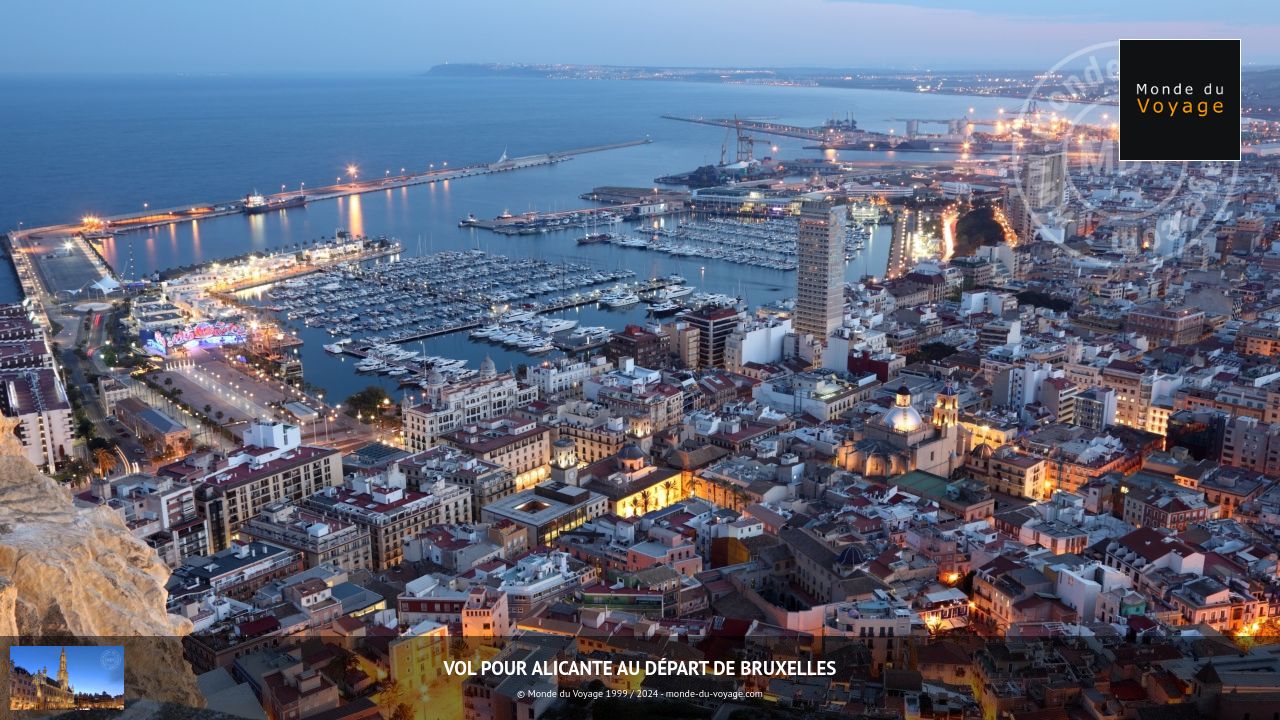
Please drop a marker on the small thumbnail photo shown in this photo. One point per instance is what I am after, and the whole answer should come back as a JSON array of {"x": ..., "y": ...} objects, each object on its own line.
[{"x": 53, "y": 678}]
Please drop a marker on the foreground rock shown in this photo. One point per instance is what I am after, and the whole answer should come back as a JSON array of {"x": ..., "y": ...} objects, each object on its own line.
[{"x": 68, "y": 572}]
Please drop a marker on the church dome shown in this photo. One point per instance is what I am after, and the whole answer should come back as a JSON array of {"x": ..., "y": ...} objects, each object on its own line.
[
  {"x": 851, "y": 555},
  {"x": 435, "y": 377},
  {"x": 903, "y": 419},
  {"x": 487, "y": 368},
  {"x": 631, "y": 451}
]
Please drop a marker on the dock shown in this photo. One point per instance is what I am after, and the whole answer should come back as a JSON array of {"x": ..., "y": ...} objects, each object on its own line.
[
  {"x": 37, "y": 241},
  {"x": 310, "y": 268}
]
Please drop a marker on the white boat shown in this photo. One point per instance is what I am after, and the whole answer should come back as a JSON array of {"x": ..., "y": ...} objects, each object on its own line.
[
  {"x": 334, "y": 348},
  {"x": 620, "y": 300},
  {"x": 664, "y": 307},
  {"x": 555, "y": 325},
  {"x": 671, "y": 292}
]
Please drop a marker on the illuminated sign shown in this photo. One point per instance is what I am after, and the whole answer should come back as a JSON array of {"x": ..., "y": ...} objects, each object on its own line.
[{"x": 203, "y": 334}]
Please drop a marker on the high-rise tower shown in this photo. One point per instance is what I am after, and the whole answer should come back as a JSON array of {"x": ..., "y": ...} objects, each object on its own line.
[
  {"x": 820, "y": 271},
  {"x": 1041, "y": 190}
]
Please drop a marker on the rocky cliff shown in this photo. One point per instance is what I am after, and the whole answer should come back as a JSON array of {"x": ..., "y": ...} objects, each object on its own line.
[{"x": 69, "y": 572}]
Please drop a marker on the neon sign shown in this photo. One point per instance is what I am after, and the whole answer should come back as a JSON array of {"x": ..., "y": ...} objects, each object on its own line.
[{"x": 203, "y": 334}]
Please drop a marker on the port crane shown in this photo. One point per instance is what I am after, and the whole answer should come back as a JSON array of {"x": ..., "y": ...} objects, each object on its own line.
[{"x": 746, "y": 144}]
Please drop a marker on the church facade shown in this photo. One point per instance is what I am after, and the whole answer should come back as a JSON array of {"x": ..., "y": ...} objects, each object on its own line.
[{"x": 900, "y": 440}]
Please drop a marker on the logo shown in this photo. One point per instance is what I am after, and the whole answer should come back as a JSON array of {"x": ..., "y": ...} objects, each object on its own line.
[
  {"x": 1076, "y": 106},
  {"x": 111, "y": 658},
  {"x": 1180, "y": 100}
]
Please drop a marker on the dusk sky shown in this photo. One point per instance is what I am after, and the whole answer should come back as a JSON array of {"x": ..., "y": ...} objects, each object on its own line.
[
  {"x": 86, "y": 668},
  {"x": 380, "y": 36}
]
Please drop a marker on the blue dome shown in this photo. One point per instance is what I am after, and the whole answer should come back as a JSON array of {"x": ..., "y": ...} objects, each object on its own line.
[{"x": 851, "y": 555}]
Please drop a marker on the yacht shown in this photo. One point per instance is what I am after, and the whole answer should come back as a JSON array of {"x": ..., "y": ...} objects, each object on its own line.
[
  {"x": 555, "y": 325},
  {"x": 664, "y": 307},
  {"x": 618, "y": 300},
  {"x": 671, "y": 292}
]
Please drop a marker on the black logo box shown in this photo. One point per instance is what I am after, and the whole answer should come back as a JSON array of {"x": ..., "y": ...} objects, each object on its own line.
[{"x": 1180, "y": 65}]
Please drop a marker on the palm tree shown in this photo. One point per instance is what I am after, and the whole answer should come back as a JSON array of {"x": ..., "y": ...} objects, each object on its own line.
[
  {"x": 105, "y": 460},
  {"x": 670, "y": 487}
]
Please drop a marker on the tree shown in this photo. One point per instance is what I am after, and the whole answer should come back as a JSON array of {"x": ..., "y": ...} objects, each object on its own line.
[
  {"x": 208, "y": 408},
  {"x": 402, "y": 712},
  {"x": 218, "y": 415},
  {"x": 105, "y": 460},
  {"x": 391, "y": 694},
  {"x": 368, "y": 401},
  {"x": 168, "y": 381},
  {"x": 694, "y": 485}
]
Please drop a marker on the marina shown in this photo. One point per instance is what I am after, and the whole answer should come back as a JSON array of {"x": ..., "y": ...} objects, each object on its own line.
[
  {"x": 435, "y": 294},
  {"x": 768, "y": 243},
  {"x": 503, "y": 300}
]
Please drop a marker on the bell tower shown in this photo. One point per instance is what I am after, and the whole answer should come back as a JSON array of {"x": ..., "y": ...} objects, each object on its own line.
[
  {"x": 564, "y": 461},
  {"x": 946, "y": 411},
  {"x": 63, "y": 681}
]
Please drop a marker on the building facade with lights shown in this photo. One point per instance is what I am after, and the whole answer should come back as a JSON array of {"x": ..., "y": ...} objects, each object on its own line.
[
  {"x": 272, "y": 465},
  {"x": 445, "y": 407},
  {"x": 900, "y": 440}
]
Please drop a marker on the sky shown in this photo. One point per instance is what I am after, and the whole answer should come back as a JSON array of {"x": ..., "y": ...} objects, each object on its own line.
[
  {"x": 90, "y": 668},
  {"x": 409, "y": 36}
]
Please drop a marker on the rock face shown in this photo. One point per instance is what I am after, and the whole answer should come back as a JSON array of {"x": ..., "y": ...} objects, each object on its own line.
[{"x": 68, "y": 572}]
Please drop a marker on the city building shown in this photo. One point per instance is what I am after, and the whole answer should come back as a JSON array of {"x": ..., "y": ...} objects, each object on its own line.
[
  {"x": 648, "y": 346},
  {"x": 447, "y": 406},
  {"x": 156, "y": 430},
  {"x": 272, "y": 465},
  {"x": 547, "y": 510},
  {"x": 564, "y": 377},
  {"x": 389, "y": 512},
  {"x": 819, "y": 270},
  {"x": 321, "y": 539},
  {"x": 714, "y": 325},
  {"x": 1160, "y": 324},
  {"x": 520, "y": 445},
  {"x": 36, "y": 398},
  {"x": 487, "y": 481},
  {"x": 158, "y": 510}
]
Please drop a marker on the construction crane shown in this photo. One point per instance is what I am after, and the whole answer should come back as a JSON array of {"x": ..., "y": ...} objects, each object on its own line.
[{"x": 746, "y": 146}]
